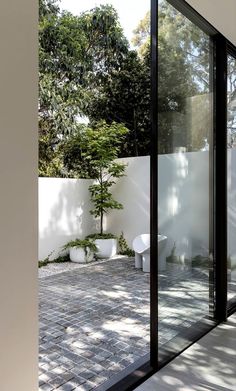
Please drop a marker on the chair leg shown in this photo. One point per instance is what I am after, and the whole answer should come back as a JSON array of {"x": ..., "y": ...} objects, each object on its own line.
[
  {"x": 146, "y": 263},
  {"x": 138, "y": 261}
]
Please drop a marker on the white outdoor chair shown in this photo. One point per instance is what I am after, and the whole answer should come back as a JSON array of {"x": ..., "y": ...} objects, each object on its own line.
[{"x": 141, "y": 247}]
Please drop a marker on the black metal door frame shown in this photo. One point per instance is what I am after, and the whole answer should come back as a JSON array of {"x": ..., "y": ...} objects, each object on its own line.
[{"x": 230, "y": 51}]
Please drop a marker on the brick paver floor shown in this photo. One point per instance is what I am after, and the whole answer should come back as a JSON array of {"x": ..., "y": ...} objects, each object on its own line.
[{"x": 94, "y": 320}]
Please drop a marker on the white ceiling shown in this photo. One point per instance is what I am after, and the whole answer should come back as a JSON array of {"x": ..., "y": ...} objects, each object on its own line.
[{"x": 220, "y": 13}]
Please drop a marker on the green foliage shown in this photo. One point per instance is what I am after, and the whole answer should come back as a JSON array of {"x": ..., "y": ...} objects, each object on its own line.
[
  {"x": 172, "y": 257},
  {"x": 47, "y": 8},
  {"x": 141, "y": 38},
  {"x": 101, "y": 236},
  {"x": 81, "y": 243},
  {"x": 124, "y": 249},
  {"x": 201, "y": 262},
  {"x": 76, "y": 53},
  {"x": 43, "y": 263},
  {"x": 86, "y": 68},
  {"x": 93, "y": 147},
  {"x": 100, "y": 147},
  {"x": 125, "y": 98},
  {"x": 60, "y": 259}
]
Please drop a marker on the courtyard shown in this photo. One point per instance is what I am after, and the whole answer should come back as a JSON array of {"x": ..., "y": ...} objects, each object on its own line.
[{"x": 94, "y": 318}]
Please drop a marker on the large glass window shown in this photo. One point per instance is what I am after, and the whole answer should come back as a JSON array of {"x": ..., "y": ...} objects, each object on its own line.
[
  {"x": 231, "y": 207},
  {"x": 185, "y": 129}
]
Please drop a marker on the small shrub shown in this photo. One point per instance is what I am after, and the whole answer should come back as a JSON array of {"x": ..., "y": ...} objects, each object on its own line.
[
  {"x": 45, "y": 261},
  {"x": 124, "y": 248},
  {"x": 81, "y": 243},
  {"x": 60, "y": 259},
  {"x": 101, "y": 236}
]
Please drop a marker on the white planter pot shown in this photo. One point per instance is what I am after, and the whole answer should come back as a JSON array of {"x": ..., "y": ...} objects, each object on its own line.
[
  {"x": 106, "y": 247},
  {"x": 78, "y": 254}
]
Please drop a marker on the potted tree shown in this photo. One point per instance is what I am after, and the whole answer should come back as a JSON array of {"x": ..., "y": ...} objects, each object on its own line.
[
  {"x": 100, "y": 149},
  {"x": 81, "y": 251}
]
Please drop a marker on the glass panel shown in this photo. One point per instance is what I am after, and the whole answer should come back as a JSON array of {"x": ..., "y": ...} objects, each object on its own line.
[
  {"x": 231, "y": 129},
  {"x": 185, "y": 179},
  {"x": 94, "y": 126}
]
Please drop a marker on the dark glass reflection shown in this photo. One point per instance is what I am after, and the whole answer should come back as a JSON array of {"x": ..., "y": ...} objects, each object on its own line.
[
  {"x": 185, "y": 178},
  {"x": 231, "y": 176}
]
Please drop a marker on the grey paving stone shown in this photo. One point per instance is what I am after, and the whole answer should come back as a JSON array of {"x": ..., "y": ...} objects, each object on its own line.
[
  {"x": 85, "y": 387},
  {"x": 92, "y": 326},
  {"x": 57, "y": 381},
  {"x": 46, "y": 387},
  {"x": 87, "y": 374},
  {"x": 66, "y": 387}
]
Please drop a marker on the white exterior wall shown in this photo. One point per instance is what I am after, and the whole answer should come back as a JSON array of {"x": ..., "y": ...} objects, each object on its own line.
[
  {"x": 63, "y": 213},
  {"x": 133, "y": 191},
  {"x": 183, "y": 205},
  {"x": 18, "y": 206},
  {"x": 183, "y": 192}
]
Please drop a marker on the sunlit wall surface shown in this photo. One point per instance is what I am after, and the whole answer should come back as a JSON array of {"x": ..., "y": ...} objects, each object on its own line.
[
  {"x": 184, "y": 178},
  {"x": 231, "y": 176}
]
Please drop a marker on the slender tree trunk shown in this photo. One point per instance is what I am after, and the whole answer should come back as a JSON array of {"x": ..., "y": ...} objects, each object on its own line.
[
  {"x": 135, "y": 134},
  {"x": 101, "y": 223},
  {"x": 101, "y": 214}
]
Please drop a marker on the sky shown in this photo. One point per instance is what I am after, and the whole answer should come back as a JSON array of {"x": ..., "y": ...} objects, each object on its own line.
[{"x": 130, "y": 11}]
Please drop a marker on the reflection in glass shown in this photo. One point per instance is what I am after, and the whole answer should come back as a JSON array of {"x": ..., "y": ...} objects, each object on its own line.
[
  {"x": 184, "y": 177},
  {"x": 231, "y": 176}
]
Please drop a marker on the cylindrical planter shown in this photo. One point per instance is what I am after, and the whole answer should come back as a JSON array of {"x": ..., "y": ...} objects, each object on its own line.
[
  {"x": 107, "y": 248},
  {"x": 78, "y": 254}
]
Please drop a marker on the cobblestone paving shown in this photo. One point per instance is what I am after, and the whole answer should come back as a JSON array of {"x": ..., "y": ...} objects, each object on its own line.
[{"x": 94, "y": 321}]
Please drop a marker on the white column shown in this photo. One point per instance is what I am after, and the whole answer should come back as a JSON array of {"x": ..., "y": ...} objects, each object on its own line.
[{"x": 18, "y": 195}]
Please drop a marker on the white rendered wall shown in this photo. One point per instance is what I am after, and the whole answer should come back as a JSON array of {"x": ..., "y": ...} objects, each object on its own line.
[
  {"x": 63, "y": 213},
  {"x": 183, "y": 205},
  {"x": 183, "y": 192},
  {"x": 220, "y": 13},
  {"x": 18, "y": 195},
  {"x": 133, "y": 191}
]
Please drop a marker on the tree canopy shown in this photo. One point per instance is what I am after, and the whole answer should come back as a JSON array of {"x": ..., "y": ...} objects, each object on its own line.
[
  {"x": 76, "y": 56},
  {"x": 89, "y": 73}
]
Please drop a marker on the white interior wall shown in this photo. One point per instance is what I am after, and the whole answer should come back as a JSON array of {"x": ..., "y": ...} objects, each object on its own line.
[
  {"x": 18, "y": 206},
  {"x": 220, "y": 13}
]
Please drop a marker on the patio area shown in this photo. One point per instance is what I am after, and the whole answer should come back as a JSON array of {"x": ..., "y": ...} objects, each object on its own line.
[{"x": 94, "y": 319}]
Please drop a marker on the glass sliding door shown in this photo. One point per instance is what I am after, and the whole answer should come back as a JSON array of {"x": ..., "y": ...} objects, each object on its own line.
[
  {"x": 231, "y": 177},
  {"x": 185, "y": 133},
  {"x": 94, "y": 138}
]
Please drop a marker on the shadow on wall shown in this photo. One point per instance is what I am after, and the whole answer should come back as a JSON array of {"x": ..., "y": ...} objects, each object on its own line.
[
  {"x": 133, "y": 191},
  {"x": 183, "y": 198},
  {"x": 64, "y": 206},
  {"x": 183, "y": 195}
]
